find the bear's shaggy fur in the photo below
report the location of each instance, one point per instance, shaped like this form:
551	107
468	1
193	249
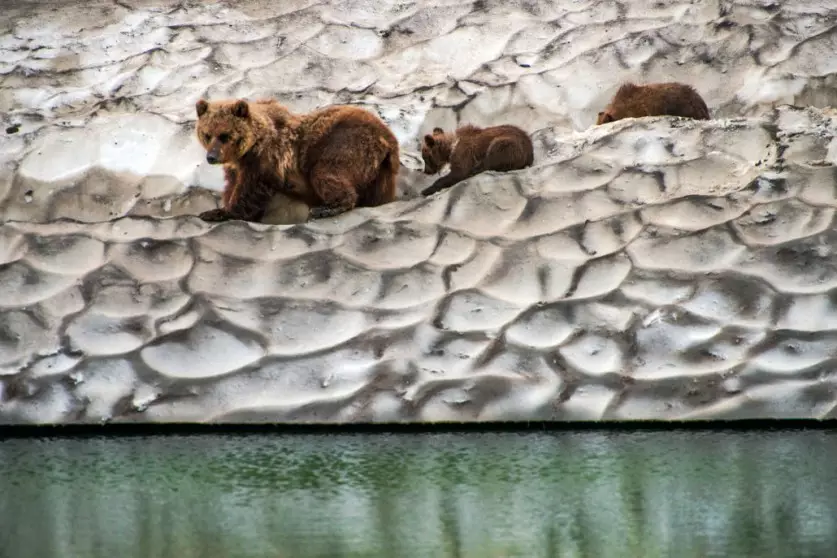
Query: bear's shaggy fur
471	150
654	99
332	159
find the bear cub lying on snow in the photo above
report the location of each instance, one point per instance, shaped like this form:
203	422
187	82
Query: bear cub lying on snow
333	159
654	99
471	150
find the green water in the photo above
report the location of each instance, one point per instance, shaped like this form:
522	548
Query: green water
588	494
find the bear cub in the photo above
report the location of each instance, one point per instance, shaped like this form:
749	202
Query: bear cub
654	99
471	150
332	159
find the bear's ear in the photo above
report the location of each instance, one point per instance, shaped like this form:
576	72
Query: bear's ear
429	141
438	131
201	107
241	109
604	118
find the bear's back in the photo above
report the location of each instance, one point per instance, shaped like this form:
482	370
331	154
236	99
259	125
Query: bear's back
656	99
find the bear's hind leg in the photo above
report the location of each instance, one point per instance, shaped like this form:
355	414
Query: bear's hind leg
383	188
504	155
337	194
348	161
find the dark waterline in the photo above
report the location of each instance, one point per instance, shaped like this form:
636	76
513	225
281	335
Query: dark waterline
581	494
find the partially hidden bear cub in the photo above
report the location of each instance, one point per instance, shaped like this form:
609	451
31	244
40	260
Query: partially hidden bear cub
654	99
471	150
332	159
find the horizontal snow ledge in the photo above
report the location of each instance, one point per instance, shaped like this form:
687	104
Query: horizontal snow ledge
651	269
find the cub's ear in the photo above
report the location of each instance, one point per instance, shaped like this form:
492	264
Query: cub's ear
241	109
438	131
201	107
604	118
429	141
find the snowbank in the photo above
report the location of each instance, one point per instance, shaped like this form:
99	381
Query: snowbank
649	269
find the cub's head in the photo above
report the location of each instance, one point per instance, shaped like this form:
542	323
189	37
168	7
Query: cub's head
604	117
225	129
435	150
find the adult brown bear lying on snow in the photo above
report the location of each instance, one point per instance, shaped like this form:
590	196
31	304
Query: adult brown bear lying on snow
333	159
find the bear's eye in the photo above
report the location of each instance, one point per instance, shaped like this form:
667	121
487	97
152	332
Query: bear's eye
224	138
207	137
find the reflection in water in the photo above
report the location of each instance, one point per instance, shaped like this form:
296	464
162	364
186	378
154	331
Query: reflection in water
586	495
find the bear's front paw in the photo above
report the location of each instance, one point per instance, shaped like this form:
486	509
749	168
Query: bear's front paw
214	215
440	184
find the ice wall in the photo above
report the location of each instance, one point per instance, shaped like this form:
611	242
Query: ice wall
649	269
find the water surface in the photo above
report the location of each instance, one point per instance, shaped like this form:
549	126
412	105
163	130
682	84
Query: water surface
584	494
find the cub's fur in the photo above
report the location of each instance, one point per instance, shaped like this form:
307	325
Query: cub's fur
332	159
654	99
472	150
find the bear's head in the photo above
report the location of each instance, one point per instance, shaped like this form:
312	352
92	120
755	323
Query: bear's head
604	117
225	129
435	150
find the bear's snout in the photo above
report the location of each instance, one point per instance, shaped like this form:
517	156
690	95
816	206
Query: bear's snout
211	158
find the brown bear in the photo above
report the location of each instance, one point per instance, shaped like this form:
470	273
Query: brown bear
332	159
471	150
654	99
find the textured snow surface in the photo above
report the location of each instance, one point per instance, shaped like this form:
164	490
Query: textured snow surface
649	269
